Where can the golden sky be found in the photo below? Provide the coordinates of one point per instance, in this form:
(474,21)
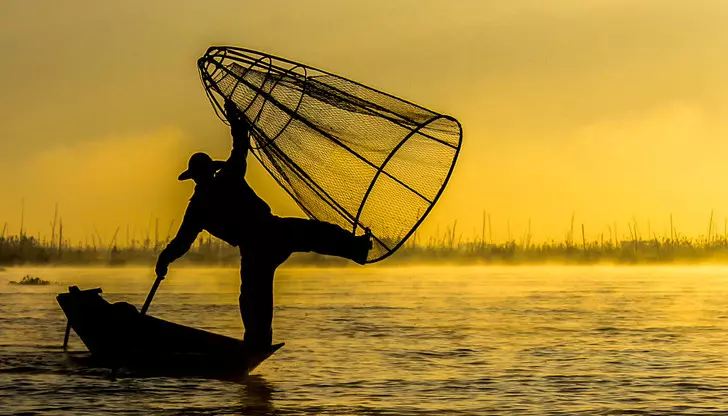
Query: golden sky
(612,110)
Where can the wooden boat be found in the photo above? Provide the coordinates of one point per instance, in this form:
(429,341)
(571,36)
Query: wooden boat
(118,336)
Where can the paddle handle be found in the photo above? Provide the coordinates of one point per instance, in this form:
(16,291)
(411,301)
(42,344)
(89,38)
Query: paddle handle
(150,296)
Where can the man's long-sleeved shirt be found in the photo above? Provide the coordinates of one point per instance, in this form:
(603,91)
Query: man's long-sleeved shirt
(226,207)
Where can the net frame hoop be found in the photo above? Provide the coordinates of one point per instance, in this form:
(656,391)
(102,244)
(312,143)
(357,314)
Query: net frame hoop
(434,200)
(384,165)
(271,66)
(245,71)
(295,110)
(211,84)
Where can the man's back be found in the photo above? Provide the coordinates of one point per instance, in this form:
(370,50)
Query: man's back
(228,208)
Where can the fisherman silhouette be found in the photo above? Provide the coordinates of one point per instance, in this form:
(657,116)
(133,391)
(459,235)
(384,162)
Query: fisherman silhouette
(224,205)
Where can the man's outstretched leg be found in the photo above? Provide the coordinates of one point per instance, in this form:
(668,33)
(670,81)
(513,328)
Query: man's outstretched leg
(303,235)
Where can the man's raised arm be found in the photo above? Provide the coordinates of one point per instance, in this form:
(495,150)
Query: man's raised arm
(241,138)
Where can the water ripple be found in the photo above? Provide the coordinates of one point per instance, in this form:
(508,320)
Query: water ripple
(470,341)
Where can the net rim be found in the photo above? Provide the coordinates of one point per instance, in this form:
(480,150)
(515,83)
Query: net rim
(390,156)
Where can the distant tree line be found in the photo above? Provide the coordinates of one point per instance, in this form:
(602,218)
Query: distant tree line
(446,248)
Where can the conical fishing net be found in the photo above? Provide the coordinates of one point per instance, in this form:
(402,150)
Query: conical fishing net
(347,154)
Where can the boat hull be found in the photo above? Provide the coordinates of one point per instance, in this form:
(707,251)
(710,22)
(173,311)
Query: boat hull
(117,335)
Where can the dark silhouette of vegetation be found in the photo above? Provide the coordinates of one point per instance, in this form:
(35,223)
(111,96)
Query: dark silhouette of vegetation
(29,280)
(447,247)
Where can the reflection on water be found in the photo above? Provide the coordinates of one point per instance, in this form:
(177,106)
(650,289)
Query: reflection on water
(471,340)
(257,396)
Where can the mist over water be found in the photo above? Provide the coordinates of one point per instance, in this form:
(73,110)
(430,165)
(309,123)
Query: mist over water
(399,341)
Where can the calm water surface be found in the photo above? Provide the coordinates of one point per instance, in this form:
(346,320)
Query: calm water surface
(404,341)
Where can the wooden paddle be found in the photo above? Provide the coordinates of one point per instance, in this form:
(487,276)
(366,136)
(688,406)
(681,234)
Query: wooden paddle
(150,296)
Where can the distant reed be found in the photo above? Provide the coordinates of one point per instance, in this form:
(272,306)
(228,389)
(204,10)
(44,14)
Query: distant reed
(442,247)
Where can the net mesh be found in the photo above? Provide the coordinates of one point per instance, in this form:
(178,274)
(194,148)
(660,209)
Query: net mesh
(347,154)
